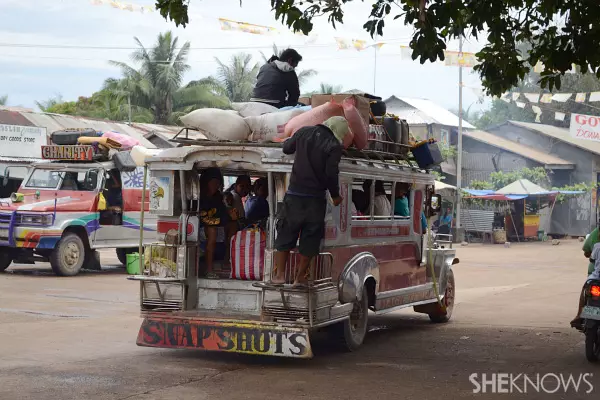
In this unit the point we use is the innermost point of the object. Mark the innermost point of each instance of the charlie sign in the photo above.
(585, 127)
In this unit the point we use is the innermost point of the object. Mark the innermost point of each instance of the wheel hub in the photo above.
(71, 255)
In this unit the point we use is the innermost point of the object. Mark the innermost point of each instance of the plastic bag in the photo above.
(356, 123)
(316, 116)
(217, 124)
(267, 127)
(253, 109)
(101, 202)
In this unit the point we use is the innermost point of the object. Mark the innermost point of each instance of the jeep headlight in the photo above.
(35, 219)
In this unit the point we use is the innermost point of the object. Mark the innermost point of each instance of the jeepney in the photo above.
(368, 262)
(70, 205)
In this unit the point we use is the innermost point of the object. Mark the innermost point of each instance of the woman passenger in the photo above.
(257, 206)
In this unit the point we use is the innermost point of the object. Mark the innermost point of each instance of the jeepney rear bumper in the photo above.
(235, 336)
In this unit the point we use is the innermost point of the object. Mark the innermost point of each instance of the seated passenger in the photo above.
(235, 194)
(257, 206)
(382, 204)
(401, 202)
(360, 202)
(114, 197)
(213, 215)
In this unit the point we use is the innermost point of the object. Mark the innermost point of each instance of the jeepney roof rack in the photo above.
(350, 154)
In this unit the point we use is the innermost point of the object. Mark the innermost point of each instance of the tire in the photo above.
(68, 255)
(122, 256)
(5, 260)
(441, 315)
(592, 343)
(351, 333)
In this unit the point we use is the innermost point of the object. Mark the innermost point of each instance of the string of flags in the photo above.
(123, 6)
(548, 98)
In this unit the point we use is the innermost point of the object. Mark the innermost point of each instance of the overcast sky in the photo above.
(35, 73)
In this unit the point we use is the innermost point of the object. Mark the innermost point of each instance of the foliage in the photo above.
(537, 175)
(303, 75)
(561, 33)
(325, 88)
(481, 185)
(3, 100)
(448, 152)
(238, 78)
(578, 187)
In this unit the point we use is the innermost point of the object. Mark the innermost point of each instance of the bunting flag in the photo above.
(123, 6)
(532, 97)
(580, 97)
(458, 59)
(594, 96)
(515, 96)
(559, 116)
(538, 113)
(561, 97)
(546, 98)
(229, 25)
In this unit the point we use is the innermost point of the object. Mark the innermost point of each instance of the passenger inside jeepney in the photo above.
(234, 196)
(257, 206)
(360, 202)
(401, 208)
(69, 181)
(214, 215)
(382, 205)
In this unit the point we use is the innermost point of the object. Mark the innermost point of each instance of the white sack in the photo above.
(253, 109)
(217, 124)
(265, 128)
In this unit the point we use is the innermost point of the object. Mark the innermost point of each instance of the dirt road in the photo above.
(74, 338)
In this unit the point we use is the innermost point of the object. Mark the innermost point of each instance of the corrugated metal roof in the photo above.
(429, 111)
(9, 117)
(560, 134)
(517, 148)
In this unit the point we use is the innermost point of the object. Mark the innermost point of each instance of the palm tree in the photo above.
(325, 88)
(3, 100)
(238, 78)
(159, 76)
(46, 105)
(303, 75)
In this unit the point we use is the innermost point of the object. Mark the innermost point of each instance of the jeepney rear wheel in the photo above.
(5, 260)
(441, 315)
(354, 329)
(68, 255)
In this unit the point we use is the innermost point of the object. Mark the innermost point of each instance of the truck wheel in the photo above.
(592, 342)
(68, 255)
(441, 315)
(5, 260)
(122, 256)
(352, 331)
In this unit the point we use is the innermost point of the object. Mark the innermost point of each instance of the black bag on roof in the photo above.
(70, 136)
(124, 162)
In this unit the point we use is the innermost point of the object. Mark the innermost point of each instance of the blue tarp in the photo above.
(492, 195)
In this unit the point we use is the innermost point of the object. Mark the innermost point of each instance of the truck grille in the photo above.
(5, 223)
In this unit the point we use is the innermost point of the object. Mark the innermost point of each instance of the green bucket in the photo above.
(133, 264)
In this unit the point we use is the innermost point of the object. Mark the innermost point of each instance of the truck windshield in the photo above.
(44, 179)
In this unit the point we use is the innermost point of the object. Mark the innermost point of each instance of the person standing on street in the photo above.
(318, 151)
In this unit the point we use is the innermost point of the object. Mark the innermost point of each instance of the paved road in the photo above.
(74, 338)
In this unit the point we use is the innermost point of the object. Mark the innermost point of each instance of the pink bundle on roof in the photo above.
(126, 142)
(316, 116)
(355, 122)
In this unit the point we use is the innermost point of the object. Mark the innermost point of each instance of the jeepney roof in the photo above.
(269, 157)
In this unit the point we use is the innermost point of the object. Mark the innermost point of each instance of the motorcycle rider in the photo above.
(595, 274)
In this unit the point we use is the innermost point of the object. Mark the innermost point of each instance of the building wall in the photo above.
(481, 159)
(576, 216)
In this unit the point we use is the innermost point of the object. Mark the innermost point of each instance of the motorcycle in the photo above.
(590, 314)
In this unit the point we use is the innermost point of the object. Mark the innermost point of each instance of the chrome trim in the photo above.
(389, 310)
(403, 291)
(354, 275)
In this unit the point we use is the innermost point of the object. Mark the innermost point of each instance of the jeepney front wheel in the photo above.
(68, 255)
(443, 314)
(354, 329)
(5, 259)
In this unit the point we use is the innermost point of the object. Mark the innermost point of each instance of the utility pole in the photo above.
(375, 69)
(459, 141)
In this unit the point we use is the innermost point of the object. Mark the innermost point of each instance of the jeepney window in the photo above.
(44, 179)
(380, 198)
(401, 201)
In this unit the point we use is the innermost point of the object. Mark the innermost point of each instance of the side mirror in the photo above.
(436, 203)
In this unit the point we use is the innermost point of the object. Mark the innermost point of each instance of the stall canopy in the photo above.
(517, 190)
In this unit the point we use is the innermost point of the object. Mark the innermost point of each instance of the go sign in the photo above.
(585, 127)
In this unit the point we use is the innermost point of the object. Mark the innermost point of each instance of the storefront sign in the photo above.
(230, 337)
(75, 153)
(585, 127)
(21, 141)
